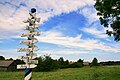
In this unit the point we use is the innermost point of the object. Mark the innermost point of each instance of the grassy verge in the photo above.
(85, 73)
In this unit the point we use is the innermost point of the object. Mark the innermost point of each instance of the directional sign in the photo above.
(36, 33)
(26, 21)
(35, 48)
(23, 66)
(28, 34)
(38, 20)
(28, 41)
(33, 61)
(36, 25)
(32, 56)
(24, 50)
(30, 28)
(29, 20)
(22, 57)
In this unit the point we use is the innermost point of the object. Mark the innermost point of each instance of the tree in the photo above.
(77, 64)
(109, 12)
(94, 62)
(46, 64)
(80, 61)
(18, 61)
(2, 58)
(63, 64)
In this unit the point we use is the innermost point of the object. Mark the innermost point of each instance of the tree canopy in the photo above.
(94, 62)
(109, 12)
(2, 58)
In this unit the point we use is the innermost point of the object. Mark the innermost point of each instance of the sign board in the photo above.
(22, 57)
(28, 41)
(38, 20)
(28, 34)
(36, 25)
(29, 28)
(33, 61)
(23, 66)
(35, 48)
(24, 49)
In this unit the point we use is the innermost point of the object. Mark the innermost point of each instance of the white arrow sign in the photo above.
(29, 20)
(30, 28)
(23, 66)
(28, 34)
(28, 49)
(31, 56)
(33, 61)
(38, 20)
(22, 57)
(28, 41)
(24, 49)
(36, 26)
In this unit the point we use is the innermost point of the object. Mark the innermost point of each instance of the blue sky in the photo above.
(69, 29)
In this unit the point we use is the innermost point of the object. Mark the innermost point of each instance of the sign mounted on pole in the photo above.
(33, 62)
(23, 66)
(33, 27)
(29, 34)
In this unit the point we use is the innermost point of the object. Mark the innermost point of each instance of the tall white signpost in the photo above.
(32, 27)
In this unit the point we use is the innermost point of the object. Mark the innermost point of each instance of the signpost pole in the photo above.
(30, 42)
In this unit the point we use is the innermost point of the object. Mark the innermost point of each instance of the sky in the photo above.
(69, 29)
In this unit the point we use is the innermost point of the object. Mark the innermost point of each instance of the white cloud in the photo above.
(90, 13)
(75, 42)
(12, 13)
(9, 53)
(64, 51)
(97, 33)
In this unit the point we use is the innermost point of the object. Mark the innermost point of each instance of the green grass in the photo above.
(85, 73)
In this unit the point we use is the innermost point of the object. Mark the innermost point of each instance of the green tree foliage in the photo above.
(2, 58)
(109, 12)
(63, 64)
(94, 62)
(47, 64)
(110, 63)
(77, 64)
(18, 61)
(10, 59)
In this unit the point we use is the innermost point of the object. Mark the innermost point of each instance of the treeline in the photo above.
(48, 64)
(110, 63)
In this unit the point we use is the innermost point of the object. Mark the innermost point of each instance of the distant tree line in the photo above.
(48, 64)
(110, 63)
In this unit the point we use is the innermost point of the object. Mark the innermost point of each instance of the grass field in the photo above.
(85, 73)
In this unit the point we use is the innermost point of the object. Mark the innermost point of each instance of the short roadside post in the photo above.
(32, 28)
